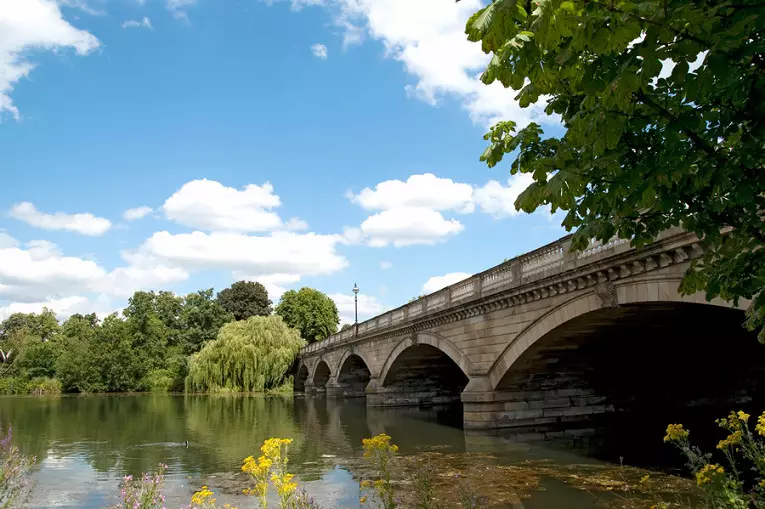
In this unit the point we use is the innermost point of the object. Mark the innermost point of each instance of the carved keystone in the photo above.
(607, 294)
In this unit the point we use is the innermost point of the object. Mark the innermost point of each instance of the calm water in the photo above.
(84, 445)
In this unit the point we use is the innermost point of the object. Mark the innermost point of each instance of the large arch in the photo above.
(423, 370)
(353, 375)
(613, 372)
(321, 375)
(660, 290)
(434, 340)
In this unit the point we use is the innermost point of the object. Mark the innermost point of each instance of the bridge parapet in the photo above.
(542, 262)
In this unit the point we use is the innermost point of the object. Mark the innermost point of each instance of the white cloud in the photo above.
(498, 200)
(319, 51)
(85, 224)
(426, 190)
(7, 241)
(369, 307)
(136, 213)
(144, 23)
(428, 38)
(38, 272)
(436, 283)
(209, 205)
(177, 8)
(407, 226)
(385, 265)
(296, 224)
(83, 6)
(278, 253)
(63, 307)
(29, 25)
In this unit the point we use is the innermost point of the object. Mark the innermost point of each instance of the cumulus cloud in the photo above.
(276, 284)
(136, 213)
(296, 224)
(498, 200)
(408, 226)
(38, 272)
(319, 51)
(369, 307)
(428, 38)
(385, 265)
(211, 206)
(426, 190)
(144, 23)
(85, 224)
(277, 253)
(436, 283)
(63, 307)
(28, 25)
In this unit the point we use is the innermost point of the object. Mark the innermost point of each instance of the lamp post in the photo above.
(356, 309)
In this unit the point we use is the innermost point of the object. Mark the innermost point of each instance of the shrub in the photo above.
(14, 471)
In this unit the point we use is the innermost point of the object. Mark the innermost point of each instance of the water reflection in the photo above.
(84, 445)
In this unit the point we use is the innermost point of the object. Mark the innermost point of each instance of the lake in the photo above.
(85, 445)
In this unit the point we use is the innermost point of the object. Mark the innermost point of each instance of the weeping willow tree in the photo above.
(248, 356)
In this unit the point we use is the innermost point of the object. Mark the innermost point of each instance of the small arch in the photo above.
(434, 340)
(321, 375)
(353, 375)
(301, 377)
(664, 290)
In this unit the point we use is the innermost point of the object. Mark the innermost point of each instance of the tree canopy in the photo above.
(309, 311)
(248, 356)
(245, 299)
(661, 101)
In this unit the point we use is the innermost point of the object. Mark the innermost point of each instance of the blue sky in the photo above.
(304, 143)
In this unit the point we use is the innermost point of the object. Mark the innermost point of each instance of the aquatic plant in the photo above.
(248, 356)
(144, 493)
(737, 486)
(14, 470)
(422, 476)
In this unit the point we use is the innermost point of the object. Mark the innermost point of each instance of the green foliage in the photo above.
(309, 311)
(200, 320)
(245, 299)
(249, 356)
(644, 149)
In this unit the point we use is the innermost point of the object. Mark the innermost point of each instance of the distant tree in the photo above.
(309, 311)
(346, 326)
(248, 356)
(245, 299)
(201, 318)
(43, 326)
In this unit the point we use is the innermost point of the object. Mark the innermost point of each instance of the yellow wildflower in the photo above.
(675, 432)
(203, 496)
(760, 427)
(708, 473)
(363, 500)
(645, 479)
(743, 416)
(761, 484)
(731, 441)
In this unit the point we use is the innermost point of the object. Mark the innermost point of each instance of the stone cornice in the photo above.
(572, 275)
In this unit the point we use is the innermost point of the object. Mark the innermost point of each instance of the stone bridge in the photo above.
(551, 338)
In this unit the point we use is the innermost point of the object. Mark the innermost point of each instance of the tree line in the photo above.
(163, 342)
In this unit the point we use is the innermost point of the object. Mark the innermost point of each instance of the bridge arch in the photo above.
(321, 375)
(427, 338)
(301, 376)
(353, 374)
(422, 370)
(663, 290)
